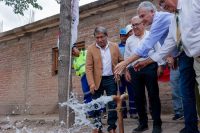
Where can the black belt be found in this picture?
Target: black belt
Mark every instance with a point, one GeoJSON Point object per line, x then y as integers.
{"type": "Point", "coordinates": [106, 77]}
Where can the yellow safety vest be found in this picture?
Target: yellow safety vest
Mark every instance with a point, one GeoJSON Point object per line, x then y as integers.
{"type": "Point", "coordinates": [79, 63]}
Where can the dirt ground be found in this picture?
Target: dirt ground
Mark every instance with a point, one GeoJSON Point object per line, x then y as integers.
{"type": "Point", "coordinates": [50, 124]}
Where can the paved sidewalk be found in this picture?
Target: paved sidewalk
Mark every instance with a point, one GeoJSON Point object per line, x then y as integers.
{"type": "Point", "coordinates": [49, 124]}
{"type": "Point", "coordinates": [168, 126]}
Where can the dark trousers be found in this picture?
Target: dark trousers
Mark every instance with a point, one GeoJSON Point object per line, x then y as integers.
{"type": "Point", "coordinates": [127, 85]}
{"type": "Point", "coordinates": [146, 77]}
{"type": "Point", "coordinates": [187, 89]}
{"type": "Point", "coordinates": [107, 84]}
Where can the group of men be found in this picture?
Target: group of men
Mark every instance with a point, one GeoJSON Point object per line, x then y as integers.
{"type": "Point", "coordinates": [173, 37]}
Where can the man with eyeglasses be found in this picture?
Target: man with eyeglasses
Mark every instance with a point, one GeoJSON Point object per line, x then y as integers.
{"type": "Point", "coordinates": [159, 22]}
{"type": "Point", "coordinates": [184, 34]}
{"type": "Point", "coordinates": [146, 77]}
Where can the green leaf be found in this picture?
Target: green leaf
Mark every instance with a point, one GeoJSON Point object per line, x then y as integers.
{"type": "Point", "coordinates": [19, 6]}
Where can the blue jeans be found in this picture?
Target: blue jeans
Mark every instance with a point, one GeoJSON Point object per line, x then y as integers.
{"type": "Point", "coordinates": [176, 95]}
{"type": "Point", "coordinates": [187, 87]}
{"type": "Point", "coordinates": [122, 89]}
{"type": "Point", "coordinates": [86, 89]}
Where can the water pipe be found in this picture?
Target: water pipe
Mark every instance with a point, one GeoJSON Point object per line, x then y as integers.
{"type": "Point", "coordinates": [118, 99]}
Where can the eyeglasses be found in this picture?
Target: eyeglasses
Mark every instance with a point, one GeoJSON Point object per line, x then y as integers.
{"type": "Point", "coordinates": [136, 25]}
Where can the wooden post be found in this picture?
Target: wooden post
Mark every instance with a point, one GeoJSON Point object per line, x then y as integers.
{"type": "Point", "coordinates": [64, 65]}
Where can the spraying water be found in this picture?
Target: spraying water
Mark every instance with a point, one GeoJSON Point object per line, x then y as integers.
{"type": "Point", "coordinates": [82, 123]}
{"type": "Point", "coordinates": [81, 109]}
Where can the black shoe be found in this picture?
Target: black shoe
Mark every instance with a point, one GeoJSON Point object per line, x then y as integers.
{"type": "Point", "coordinates": [124, 116]}
{"type": "Point", "coordinates": [157, 129]}
{"type": "Point", "coordinates": [177, 117]}
{"type": "Point", "coordinates": [140, 129]}
{"type": "Point", "coordinates": [100, 131]}
{"type": "Point", "coordinates": [183, 130]}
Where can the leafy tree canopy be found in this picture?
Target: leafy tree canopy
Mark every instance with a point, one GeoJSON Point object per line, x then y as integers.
{"type": "Point", "coordinates": [19, 6]}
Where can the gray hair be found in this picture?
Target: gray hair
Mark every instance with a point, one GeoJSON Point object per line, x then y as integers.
{"type": "Point", "coordinates": [135, 17]}
{"type": "Point", "coordinates": [100, 29]}
{"type": "Point", "coordinates": [147, 5]}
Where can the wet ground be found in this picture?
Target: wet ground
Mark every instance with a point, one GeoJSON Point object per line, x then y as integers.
{"type": "Point", "coordinates": [50, 124]}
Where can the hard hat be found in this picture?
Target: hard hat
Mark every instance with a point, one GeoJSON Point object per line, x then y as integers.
{"type": "Point", "coordinates": [128, 28]}
{"type": "Point", "coordinates": [122, 31]}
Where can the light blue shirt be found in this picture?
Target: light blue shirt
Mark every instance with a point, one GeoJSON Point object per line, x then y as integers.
{"type": "Point", "coordinates": [158, 32]}
{"type": "Point", "coordinates": [189, 14]}
{"type": "Point", "coordinates": [122, 49]}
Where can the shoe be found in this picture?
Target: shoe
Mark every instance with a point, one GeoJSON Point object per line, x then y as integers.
{"type": "Point", "coordinates": [157, 129]}
{"type": "Point", "coordinates": [177, 117]}
{"type": "Point", "coordinates": [140, 129]}
{"type": "Point", "coordinates": [183, 130]}
{"type": "Point", "coordinates": [133, 116]}
{"type": "Point", "coordinates": [124, 116]}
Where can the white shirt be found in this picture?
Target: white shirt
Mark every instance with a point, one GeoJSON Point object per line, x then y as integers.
{"type": "Point", "coordinates": [189, 21]}
{"type": "Point", "coordinates": [133, 42]}
{"type": "Point", "coordinates": [106, 60]}
{"type": "Point", "coordinates": [189, 12]}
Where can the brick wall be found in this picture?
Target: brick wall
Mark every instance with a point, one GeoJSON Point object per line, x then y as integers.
{"type": "Point", "coordinates": [27, 85]}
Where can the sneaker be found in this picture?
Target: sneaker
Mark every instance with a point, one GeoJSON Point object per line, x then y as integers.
{"type": "Point", "coordinates": [140, 129]}
{"type": "Point", "coordinates": [177, 117]}
{"type": "Point", "coordinates": [157, 129]}
{"type": "Point", "coordinates": [133, 116]}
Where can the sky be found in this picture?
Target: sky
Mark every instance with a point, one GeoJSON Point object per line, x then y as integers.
{"type": "Point", "coordinates": [9, 20]}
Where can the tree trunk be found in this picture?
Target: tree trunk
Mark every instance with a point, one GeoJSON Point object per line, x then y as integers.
{"type": "Point", "coordinates": [64, 65]}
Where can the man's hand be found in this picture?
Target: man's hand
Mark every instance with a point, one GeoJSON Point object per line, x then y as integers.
{"type": "Point", "coordinates": [141, 64]}
{"type": "Point", "coordinates": [171, 62]}
{"type": "Point", "coordinates": [120, 67]}
{"type": "Point", "coordinates": [93, 88]}
{"type": "Point", "coordinates": [127, 76]}
{"type": "Point", "coordinates": [75, 52]}
{"type": "Point", "coordinates": [160, 71]}
{"type": "Point", "coordinates": [117, 77]}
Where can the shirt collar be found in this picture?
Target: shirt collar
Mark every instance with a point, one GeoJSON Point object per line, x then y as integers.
{"type": "Point", "coordinates": [100, 47]}
{"type": "Point", "coordinates": [122, 44]}
{"type": "Point", "coordinates": [141, 36]}
{"type": "Point", "coordinates": [179, 5]}
{"type": "Point", "coordinates": [155, 16]}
